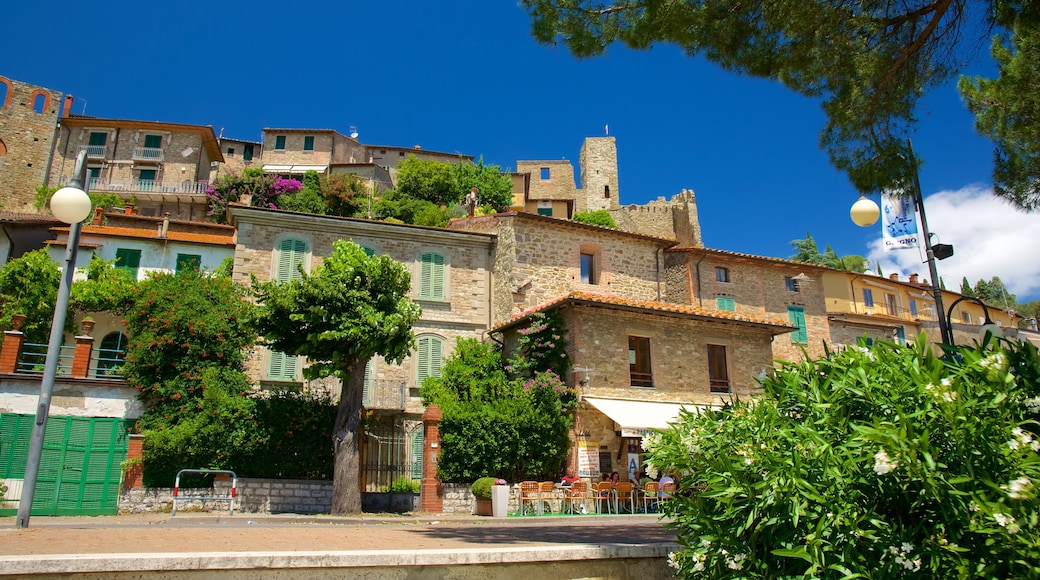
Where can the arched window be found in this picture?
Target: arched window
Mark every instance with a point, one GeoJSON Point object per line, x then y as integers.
{"type": "Point", "coordinates": [291, 252]}
{"type": "Point", "coordinates": [431, 276]}
{"type": "Point", "coordinates": [3, 147]}
{"type": "Point", "coordinates": [112, 354]}
{"type": "Point", "coordinates": [40, 102]}
{"type": "Point", "coordinates": [5, 92]}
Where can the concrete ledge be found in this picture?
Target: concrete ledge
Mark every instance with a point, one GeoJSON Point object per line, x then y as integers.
{"type": "Point", "coordinates": [109, 564]}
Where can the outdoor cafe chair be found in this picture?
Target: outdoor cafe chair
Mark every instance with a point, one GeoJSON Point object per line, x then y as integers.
{"type": "Point", "coordinates": [604, 491]}
{"type": "Point", "coordinates": [650, 496]}
{"type": "Point", "coordinates": [623, 493]}
{"type": "Point", "coordinates": [578, 492]}
{"type": "Point", "coordinates": [529, 495]}
{"type": "Point", "coordinates": [667, 490]}
{"type": "Point", "coordinates": [547, 490]}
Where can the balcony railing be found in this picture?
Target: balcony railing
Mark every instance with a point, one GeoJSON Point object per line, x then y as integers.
{"type": "Point", "coordinates": [156, 154]}
{"type": "Point", "coordinates": [386, 395]}
{"type": "Point", "coordinates": [146, 185]}
{"type": "Point", "coordinates": [94, 151]}
{"type": "Point", "coordinates": [34, 357]}
{"type": "Point", "coordinates": [923, 313]}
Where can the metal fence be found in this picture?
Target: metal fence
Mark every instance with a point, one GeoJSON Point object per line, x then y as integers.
{"type": "Point", "coordinates": [34, 357]}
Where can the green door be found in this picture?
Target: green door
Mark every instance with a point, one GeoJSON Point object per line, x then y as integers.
{"type": "Point", "coordinates": [80, 468]}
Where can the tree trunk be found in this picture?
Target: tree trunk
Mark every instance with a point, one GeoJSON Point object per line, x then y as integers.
{"type": "Point", "coordinates": [346, 496]}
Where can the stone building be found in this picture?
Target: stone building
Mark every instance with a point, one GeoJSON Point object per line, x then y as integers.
{"type": "Point", "coordinates": [719, 280]}
{"type": "Point", "coordinates": [28, 126]}
{"type": "Point", "coordinates": [238, 155]}
{"type": "Point", "coordinates": [548, 188]}
{"type": "Point", "coordinates": [641, 348]}
{"type": "Point", "coordinates": [161, 168]}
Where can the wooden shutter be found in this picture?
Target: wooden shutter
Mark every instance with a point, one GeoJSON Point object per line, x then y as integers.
{"type": "Point", "coordinates": [282, 367]}
{"type": "Point", "coordinates": [129, 260]}
{"type": "Point", "coordinates": [428, 359]}
{"type": "Point", "coordinates": [417, 452]}
{"type": "Point", "coordinates": [796, 316]}
{"type": "Point", "coordinates": [431, 276]}
{"type": "Point", "coordinates": [153, 141]}
{"type": "Point", "coordinates": [640, 370]}
{"type": "Point", "coordinates": [366, 391]}
{"type": "Point", "coordinates": [290, 254]}
{"type": "Point", "coordinates": [727, 303]}
{"type": "Point", "coordinates": [718, 369]}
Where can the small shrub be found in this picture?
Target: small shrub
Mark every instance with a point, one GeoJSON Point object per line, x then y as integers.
{"type": "Point", "coordinates": [599, 217]}
{"type": "Point", "coordinates": [882, 462]}
{"type": "Point", "coordinates": [404, 484]}
{"type": "Point", "coordinates": [481, 488]}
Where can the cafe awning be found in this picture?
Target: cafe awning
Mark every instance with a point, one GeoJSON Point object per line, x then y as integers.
{"type": "Point", "coordinates": [294, 168]}
{"type": "Point", "coordinates": [638, 418]}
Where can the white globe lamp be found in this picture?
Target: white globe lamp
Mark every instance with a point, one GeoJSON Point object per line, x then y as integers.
{"type": "Point", "coordinates": [70, 205]}
{"type": "Point", "coordinates": [865, 212]}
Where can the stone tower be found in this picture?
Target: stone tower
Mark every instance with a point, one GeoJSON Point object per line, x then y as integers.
{"type": "Point", "coordinates": [599, 174]}
{"type": "Point", "coordinates": [28, 124]}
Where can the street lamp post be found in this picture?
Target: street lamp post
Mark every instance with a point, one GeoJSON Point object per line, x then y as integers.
{"type": "Point", "coordinates": [71, 205]}
{"type": "Point", "coordinates": [865, 213]}
{"type": "Point", "coordinates": [988, 326]}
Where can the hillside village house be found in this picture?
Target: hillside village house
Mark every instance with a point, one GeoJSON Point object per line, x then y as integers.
{"type": "Point", "coordinates": [451, 280]}
{"type": "Point", "coordinates": [159, 167]}
{"type": "Point", "coordinates": [655, 320]}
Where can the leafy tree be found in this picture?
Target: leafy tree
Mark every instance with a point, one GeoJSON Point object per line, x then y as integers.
{"type": "Point", "coordinates": [394, 205]}
{"type": "Point", "coordinates": [448, 183]}
{"type": "Point", "coordinates": [599, 217]}
{"type": "Point", "coordinates": [493, 426]}
{"type": "Point", "coordinates": [188, 333]}
{"type": "Point", "coordinates": [994, 292]}
{"type": "Point", "coordinates": [870, 62]}
{"type": "Point", "coordinates": [882, 462]}
{"type": "Point", "coordinates": [807, 251]}
{"type": "Point", "coordinates": [1006, 111]}
{"type": "Point", "coordinates": [344, 194]}
{"type": "Point", "coordinates": [29, 286]}
{"type": "Point", "coordinates": [350, 309]}
{"type": "Point", "coordinates": [105, 289]}
{"type": "Point", "coordinates": [966, 288]}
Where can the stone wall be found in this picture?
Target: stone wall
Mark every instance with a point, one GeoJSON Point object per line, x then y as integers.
{"type": "Point", "coordinates": [26, 141]}
{"type": "Point", "coordinates": [253, 496]}
{"type": "Point", "coordinates": [675, 218]}
{"type": "Point", "coordinates": [458, 499]}
{"type": "Point", "coordinates": [463, 313]}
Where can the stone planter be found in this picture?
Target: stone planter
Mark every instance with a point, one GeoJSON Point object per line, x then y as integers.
{"type": "Point", "coordinates": [500, 500]}
{"type": "Point", "coordinates": [484, 507]}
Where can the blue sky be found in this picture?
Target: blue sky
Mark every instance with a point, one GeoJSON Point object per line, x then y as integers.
{"type": "Point", "coordinates": [466, 76]}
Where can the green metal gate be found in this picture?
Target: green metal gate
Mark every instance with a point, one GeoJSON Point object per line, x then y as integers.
{"type": "Point", "coordinates": [80, 468]}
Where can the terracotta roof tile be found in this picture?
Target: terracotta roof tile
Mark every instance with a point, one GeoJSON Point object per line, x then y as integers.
{"type": "Point", "coordinates": [739, 255]}
{"type": "Point", "coordinates": [648, 306]}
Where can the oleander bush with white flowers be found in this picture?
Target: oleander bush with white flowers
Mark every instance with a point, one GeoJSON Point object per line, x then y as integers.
{"type": "Point", "coordinates": [879, 462]}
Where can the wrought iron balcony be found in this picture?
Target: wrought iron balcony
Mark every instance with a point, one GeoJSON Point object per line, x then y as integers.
{"type": "Point", "coordinates": [94, 151]}
{"type": "Point", "coordinates": [386, 395]}
{"type": "Point", "coordinates": [147, 186]}
{"type": "Point", "coordinates": [155, 154]}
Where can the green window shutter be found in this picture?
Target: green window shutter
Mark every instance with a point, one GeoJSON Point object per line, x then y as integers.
{"type": "Point", "coordinates": [417, 451]}
{"type": "Point", "coordinates": [282, 367]}
{"type": "Point", "coordinates": [431, 276]}
{"type": "Point", "coordinates": [727, 303]}
{"type": "Point", "coordinates": [368, 250]}
{"type": "Point", "coordinates": [366, 392]}
{"type": "Point", "coordinates": [247, 152]}
{"type": "Point", "coordinates": [129, 260]}
{"type": "Point", "coordinates": [308, 143]}
{"type": "Point", "coordinates": [279, 142]}
{"type": "Point", "coordinates": [290, 253]}
{"type": "Point", "coordinates": [546, 211]}
{"type": "Point", "coordinates": [796, 316]}
{"type": "Point", "coordinates": [429, 358]}
{"type": "Point", "coordinates": [189, 262]}
{"type": "Point", "coordinates": [153, 141]}
{"type": "Point", "coordinates": [98, 139]}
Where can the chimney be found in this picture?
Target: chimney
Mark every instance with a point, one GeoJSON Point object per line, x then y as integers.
{"type": "Point", "coordinates": [67, 108]}
{"type": "Point", "coordinates": [893, 277]}
{"type": "Point", "coordinates": [165, 227]}
{"type": "Point", "coordinates": [99, 216]}
{"type": "Point", "coordinates": [913, 278]}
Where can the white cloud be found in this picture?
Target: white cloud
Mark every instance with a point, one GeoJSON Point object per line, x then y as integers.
{"type": "Point", "coordinates": [989, 237]}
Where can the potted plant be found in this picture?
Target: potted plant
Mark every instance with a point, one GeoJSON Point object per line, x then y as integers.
{"type": "Point", "coordinates": [481, 489]}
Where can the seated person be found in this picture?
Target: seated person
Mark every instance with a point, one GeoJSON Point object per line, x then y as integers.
{"type": "Point", "coordinates": [568, 479]}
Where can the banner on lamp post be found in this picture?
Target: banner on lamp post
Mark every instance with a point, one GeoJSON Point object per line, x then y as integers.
{"type": "Point", "coordinates": [898, 221]}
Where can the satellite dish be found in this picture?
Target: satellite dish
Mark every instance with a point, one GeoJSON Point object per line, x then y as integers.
{"type": "Point", "coordinates": [353, 132]}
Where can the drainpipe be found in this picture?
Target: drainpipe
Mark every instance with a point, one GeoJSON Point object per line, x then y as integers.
{"type": "Point", "coordinates": [697, 268]}
{"type": "Point", "coordinates": [165, 225]}
{"type": "Point", "coordinates": [657, 269]}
